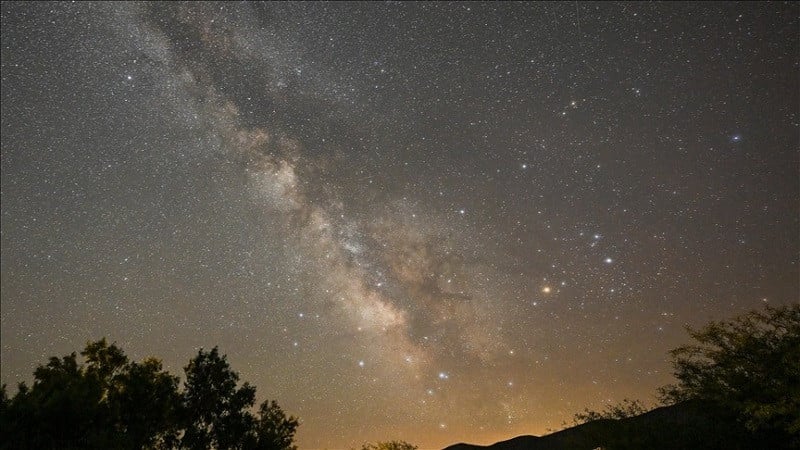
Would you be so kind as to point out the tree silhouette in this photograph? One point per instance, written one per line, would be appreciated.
(63, 409)
(104, 363)
(147, 405)
(749, 365)
(139, 399)
(738, 387)
(275, 431)
(110, 402)
(4, 401)
(215, 411)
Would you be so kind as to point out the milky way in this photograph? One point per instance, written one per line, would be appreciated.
(432, 222)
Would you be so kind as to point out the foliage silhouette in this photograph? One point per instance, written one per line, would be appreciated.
(749, 366)
(738, 386)
(389, 445)
(110, 402)
(275, 431)
(626, 408)
(215, 411)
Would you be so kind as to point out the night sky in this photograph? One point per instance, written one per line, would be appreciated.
(432, 222)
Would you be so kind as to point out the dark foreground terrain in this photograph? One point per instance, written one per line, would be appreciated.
(688, 425)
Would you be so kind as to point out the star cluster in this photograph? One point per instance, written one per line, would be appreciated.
(436, 222)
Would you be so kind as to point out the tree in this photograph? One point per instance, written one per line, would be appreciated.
(104, 362)
(275, 431)
(109, 402)
(389, 445)
(4, 400)
(138, 399)
(749, 365)
(147, 405)
(63, 409)
(215, 411)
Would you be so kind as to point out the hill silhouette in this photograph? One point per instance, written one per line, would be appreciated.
(688, 425)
